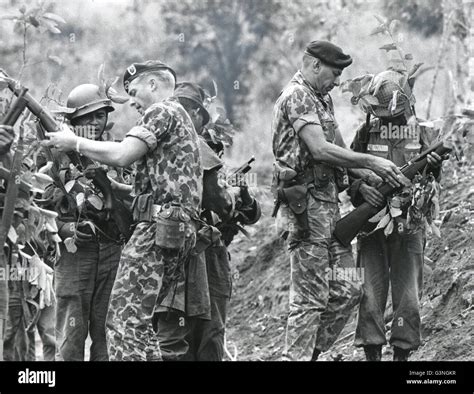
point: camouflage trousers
(145, 272)
(324, 285)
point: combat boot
(400, 354)
(373, 352)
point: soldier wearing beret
(167, 193)
(311, 159)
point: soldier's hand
(6, 138)
(245, 196)
(387, 170)
(371, 195)
(373, 179)
(64, 140)
(435, 160)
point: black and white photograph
(230, 187)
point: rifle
(115, 208)
(10, 119)
(48, 123)
(235, 178)
(348, 227)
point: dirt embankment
(259, 306)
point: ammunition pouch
(321, 175)
(173, 226)
(142, 208)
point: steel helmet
(87, 98)
(383, 87)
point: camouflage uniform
(320, 303)
(196, 333)
(396, 259)
(171, 170)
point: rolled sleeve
(302, 110)
(143, 134)
(304, 120)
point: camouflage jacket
(298, 105)
(171, 169)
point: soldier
(309, 154)
(167, 189)
(396, 260)
(200, 336)
(84, 277)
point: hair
(164, 76)
(308, 60)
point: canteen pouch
(172, 227)
(142, 208)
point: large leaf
(70, 245)
(383, 222)
(414, 69)
(389, 47)
(379, 29)
(9, 17)
(435, 230)
(389, 228)
(53, 17)
(56, 59)
(394, 26)
(80, 198)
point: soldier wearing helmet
(394, 259)
(90, 110)
(86, 272)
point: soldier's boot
(316, 353)
(373, 352)
(400, 354)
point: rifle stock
(348, 227)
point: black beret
(195, 93)
(134, 70)
(329, 54)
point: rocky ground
(259, 305)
